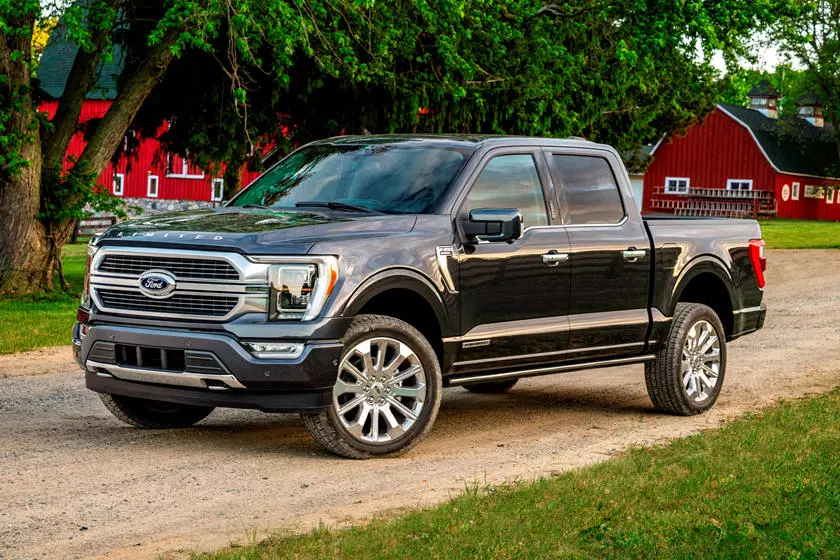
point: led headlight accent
(275, 350)
(299, 290)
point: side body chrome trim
(443, 252)
(532, 372)
(185, 379)
(565, 353)
(747, 310)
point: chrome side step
(456, 380)
(182, 379)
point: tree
(809, 32)
(286, 71)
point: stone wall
(152, 206)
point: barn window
(795, 195)
(179, 168)
(152, 186)
(829, 196)
(218, 190)
(739, 184)
(119, 184)
(677, 185)
(812, 191)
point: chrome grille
(179, 304)
(180, 267)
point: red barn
(150, 179)
(748, 162)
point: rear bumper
(748, 320)
(216, 370)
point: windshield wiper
(337, 206)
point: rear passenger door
(610, 254)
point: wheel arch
(706, 280)
(406, 295)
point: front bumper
(212, 369)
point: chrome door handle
(554, 259)
(633, 255)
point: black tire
(327, 428)
(664, 375)
(155, 415)
(491, 387)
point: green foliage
(809, 33)
(789, 82)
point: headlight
(91, 252)
(298, 291)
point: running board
(532, 372)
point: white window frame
(671, 190)
(213, 183)
(121, 190)
(730, 182)
(185, 169)
(149, 186)
(829, 196)
(794, 191)
(816, 191)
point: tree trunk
(110, 132)
(23, 250)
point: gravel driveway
(74, 482)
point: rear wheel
(491, 387)
(158, 415)
(387, 393)
(687, 375)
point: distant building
(150, 179)
(749, 162)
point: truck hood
(253, 230)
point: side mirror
(493, 224)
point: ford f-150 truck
(359, 276)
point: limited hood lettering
(164, 235)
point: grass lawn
(766, 486)
(44, 319)
(800, 234)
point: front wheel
(387, 393)
(157, 415)
(687, 374)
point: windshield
(398, 178)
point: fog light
(275, 350)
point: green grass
(44, 319)
(800, 234)
(766, 486)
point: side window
(591, 192)
(510, 181)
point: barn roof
(791, 144)
(57, 61)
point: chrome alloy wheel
(380, 390)
(700, 361)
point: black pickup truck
(359, 276)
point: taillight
(758, 260)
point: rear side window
(589, 188)
(510, 181)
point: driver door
(514, 294)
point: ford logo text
(156, 284)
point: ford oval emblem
(156, 284)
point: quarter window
(510, 181)
(589, 188)
(677, 185)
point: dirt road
(74, 482)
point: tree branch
(81, 80)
